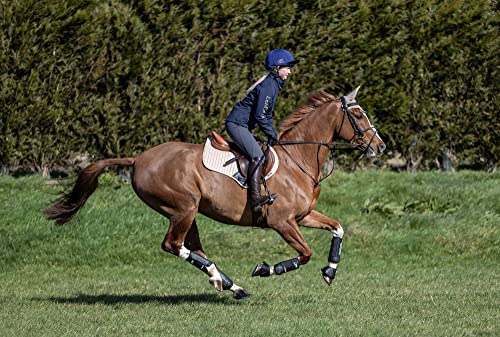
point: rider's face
(283, 72)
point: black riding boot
(254, 178)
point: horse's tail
(63, 209)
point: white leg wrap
(184, 253)
(213, 272)
(235, 288)
(338, 233)
(238, 292)
(215, 278)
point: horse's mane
(313, 102)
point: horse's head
(357, 129)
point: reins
(332, 146)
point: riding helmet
(280, 58)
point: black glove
(272, 141)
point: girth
(222, 144)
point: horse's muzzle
(370, 152)
(381, 148)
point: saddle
(221, 144)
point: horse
(171, 179)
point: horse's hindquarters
(166, 178)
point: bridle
(358, 132)
(332, 146)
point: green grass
(421, 257)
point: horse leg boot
(218, 279)
(254, 180)
(330, 271)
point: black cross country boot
(254, 180)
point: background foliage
(112, 78)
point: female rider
(257, 108)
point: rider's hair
(258, 82)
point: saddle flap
(221, 144)
(233, 164)
(268, 165)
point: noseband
(358, 132)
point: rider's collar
(278, 79)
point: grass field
(421, 257)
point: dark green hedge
(113, 78)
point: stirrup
(268, 200)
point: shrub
(113, 78)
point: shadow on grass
(108, 299)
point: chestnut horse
(171, 179)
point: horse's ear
(352, 96)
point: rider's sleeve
(264, 112)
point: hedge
(112, 78)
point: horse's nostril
(381, 148)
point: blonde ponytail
(258, 82)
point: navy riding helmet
(280, 58)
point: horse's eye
(360, 116)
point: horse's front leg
(318, 220)
(292, 235)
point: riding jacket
(257, 108)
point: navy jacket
(257, 108)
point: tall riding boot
(254, 178)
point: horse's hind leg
(192, 240)
(180, 227)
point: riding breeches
(245, 140)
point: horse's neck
(318, 126)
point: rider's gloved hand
(272, 141)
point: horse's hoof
(216, 283)
(240, 294)
(262, 270)
(328, 274)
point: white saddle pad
(215, 160)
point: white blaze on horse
(172, 179)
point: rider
(257, 109)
